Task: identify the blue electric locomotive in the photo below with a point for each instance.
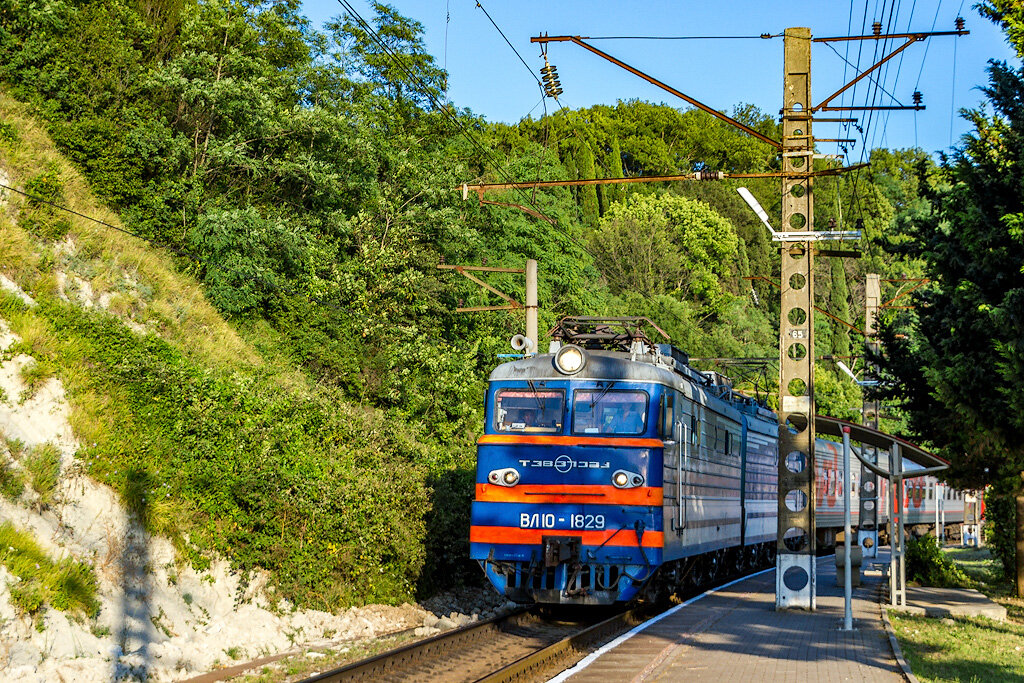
(610, 466)
(599, 468)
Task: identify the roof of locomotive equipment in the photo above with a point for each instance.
(618, 366)
(600, 365)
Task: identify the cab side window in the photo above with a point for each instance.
(668, 402)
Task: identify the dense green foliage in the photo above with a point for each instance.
(310, 184)
(1000, 522)
(967, 327)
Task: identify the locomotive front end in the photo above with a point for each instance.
(568, 488)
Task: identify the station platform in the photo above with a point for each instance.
(735, 634)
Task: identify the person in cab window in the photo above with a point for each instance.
(633, 422)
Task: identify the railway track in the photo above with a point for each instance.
(522, 647)
(518, 647)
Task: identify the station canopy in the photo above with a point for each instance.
(867, 436)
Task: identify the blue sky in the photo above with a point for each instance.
(487, 77)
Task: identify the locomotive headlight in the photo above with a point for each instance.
(623, 479)
(504, 477)
(570, 359)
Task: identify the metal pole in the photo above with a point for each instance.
(847, 566)
(891, 514)
(531, 307)
(901, 557)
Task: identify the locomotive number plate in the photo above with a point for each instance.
(547, 520)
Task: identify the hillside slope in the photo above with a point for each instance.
(169, 493)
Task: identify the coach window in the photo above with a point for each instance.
(609, 412)
(529, 411)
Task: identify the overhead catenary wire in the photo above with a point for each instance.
(856, 72)
(540, 85)
(899, 66)
(894, 13)
(509, 42)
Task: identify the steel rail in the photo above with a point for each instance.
(373, 667)
(547, 657)
(564, 649)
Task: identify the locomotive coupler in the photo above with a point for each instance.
(559, 549)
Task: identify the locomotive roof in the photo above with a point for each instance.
(619, 366)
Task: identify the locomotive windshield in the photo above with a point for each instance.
(609, 412)
(526, 410)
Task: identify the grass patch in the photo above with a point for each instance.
(43, 467)
(987, 573)
(12, 483)
(175, 306)
(33, 375)
(66, 585)
(970, 649)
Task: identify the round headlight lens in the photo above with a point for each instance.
(511, 477)
(569, 359)
(620, 479)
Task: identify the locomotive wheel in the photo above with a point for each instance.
(751, 557)
(714, 565)
(699, 574)
(735, 563)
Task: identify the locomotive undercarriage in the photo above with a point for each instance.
(674, 579)
(573, 581)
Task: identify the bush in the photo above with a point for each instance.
(928, 565)
(447, 540)
(328, 496)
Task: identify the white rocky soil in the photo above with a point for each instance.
(159, 618)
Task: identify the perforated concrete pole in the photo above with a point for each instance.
(795, 566)
(867, 531)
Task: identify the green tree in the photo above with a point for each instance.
(960, 370)
(1010, 15)
(665, 244)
